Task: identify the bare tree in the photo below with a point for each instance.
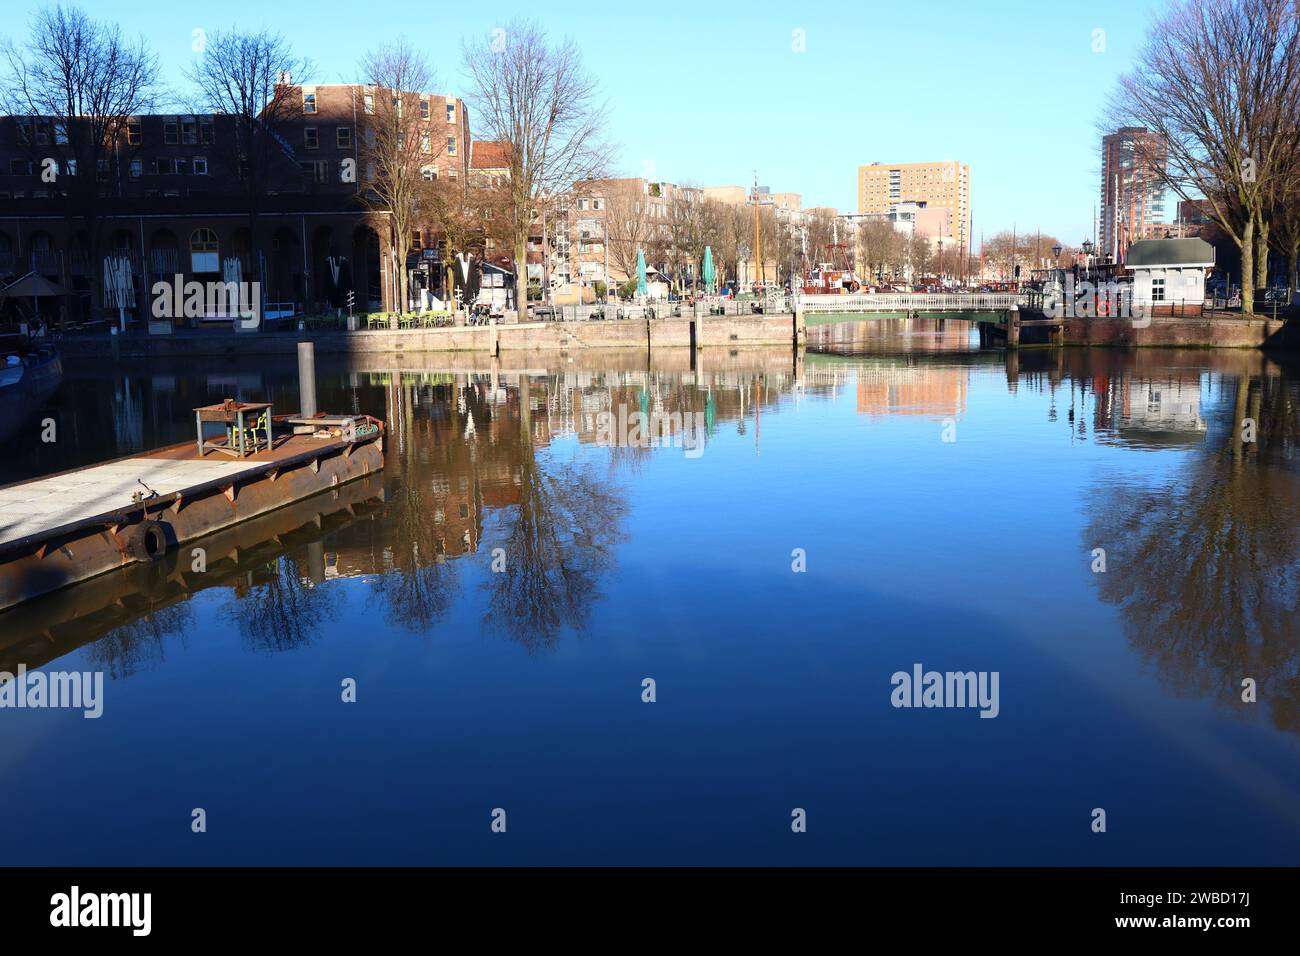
(398, 148)
(79, 83)
(818, 236)
(249, 78)
(685, 235)
(465, 213)
(1006, 249)
(1219, 81)
(778, 244)
(628, 225)
(883, 248)
(1284, 214)
(715, 233)
(738, 229)
(920, 254)
(536, 98)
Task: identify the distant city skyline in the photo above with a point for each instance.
(709, 96)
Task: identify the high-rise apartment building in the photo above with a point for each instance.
(882, 186)
(1132, 190)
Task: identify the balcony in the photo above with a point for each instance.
(46, 262)
(80, 263)
(164, 262)
(129, 254)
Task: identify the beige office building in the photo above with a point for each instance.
(882, 186)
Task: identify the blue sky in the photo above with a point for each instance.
(707, 93)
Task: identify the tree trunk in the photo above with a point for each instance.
(1261, 257)
(521, 276)
(1291, 276)
(400, 250)
(1247, 245)
(546, 264)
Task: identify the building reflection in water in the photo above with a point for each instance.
(1205, 565)
(935, 391)
(1203, 550)
(885, 336)
(467, 471)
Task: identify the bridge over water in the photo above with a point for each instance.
(971, 306)
(998, 314)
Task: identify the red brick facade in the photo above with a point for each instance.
(172, 187)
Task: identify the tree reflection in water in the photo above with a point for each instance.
(284, 609)
(1206, 569)
(126, 648)
(417, 595)
(465, 456)
(434, 502)
(558, 540)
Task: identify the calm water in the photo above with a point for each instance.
(522, 689)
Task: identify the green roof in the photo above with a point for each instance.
(1170, 252)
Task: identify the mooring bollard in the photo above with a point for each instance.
(307, 378)
(1013, 329)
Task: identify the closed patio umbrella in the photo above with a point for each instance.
(641, 287)
(35, 287)
(119, 287)
(707, 272)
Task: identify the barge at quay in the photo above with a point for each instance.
(65, 528)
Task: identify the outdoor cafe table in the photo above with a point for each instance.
(242, 439)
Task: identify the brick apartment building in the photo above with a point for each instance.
(172, 197)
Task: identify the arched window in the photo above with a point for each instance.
(203, 250)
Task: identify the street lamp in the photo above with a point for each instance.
(1086, 245)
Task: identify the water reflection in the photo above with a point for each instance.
(901, 389)
(879, 335)
(264, 566)
(1205, 564)
(490, 463)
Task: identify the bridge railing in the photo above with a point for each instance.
(910, 302)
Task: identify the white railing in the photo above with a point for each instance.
(910, 302)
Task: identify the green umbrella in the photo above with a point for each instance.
(707, 271)
(641, 288)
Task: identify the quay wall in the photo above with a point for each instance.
(1181, 333)
(725, 331)
(654, 334)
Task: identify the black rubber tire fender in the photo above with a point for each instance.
(146, 541)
